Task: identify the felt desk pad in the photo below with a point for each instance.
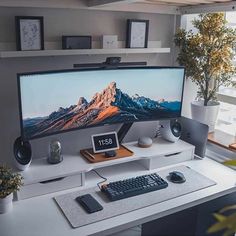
(78, 217)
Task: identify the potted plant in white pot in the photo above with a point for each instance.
(9, 183)
(207, 56)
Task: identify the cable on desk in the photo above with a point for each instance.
(105, 179)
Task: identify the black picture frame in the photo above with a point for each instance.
(29, 33)
(137, 28)
(76, 42)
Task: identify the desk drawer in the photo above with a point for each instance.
(49, 186)
(178, 157)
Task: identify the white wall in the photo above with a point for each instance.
(58, 22)
(190, 93)
(190, 88)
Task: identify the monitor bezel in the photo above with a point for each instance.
(89, 69)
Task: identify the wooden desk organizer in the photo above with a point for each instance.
(99, 157)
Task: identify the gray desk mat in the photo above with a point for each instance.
(78, 217)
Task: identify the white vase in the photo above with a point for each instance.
(205, 114)
(6, 204)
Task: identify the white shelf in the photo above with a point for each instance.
(40, 170)
(42, 178)
(46, 53)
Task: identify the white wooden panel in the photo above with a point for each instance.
(73, 52)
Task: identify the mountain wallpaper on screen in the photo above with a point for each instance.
(108, 106)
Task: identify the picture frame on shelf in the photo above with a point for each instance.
(137, 33)
(29, 33)
(76, 42)
(109, 41)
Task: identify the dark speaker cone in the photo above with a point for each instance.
(22, 151)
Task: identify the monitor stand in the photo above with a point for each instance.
(123, 131)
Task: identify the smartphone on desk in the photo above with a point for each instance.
(89, 203)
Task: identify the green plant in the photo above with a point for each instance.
(207, 55)
(9, 182)
(227, 223)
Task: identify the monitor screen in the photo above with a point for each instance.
(58, 101)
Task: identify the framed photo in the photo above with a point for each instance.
(109, 41)
(76, 42)
(29, 33)
(137, 33)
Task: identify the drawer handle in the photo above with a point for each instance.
(52, 180)
(172, 154)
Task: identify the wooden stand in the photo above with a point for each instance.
(99, 157)
(223, 140)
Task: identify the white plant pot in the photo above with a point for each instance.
(6, 204)
(205, 114)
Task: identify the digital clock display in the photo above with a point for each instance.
(105, 142)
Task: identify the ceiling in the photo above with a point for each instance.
(156, 2)
(183, 2)
(176, 7)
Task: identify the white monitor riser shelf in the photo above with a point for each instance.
(42, 178)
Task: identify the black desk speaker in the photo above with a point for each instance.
(22, 153)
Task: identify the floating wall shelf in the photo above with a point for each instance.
(45, 53)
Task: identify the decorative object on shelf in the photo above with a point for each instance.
(22, 153)
(29, 33)
(109, 41)
(9, 183)
(55, 155)
(76, 42)
(170, 130)
(207, 56)
(137, 33)
(144, 142)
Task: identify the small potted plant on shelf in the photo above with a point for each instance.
(9, 183)
(207, 56)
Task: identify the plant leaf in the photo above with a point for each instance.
(217, 227)
(229, 222)
(230, 163)
(229, 232)
(228, 208)
(219, 217)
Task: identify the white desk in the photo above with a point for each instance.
(40, 216)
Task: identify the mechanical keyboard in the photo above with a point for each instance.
(133, 186)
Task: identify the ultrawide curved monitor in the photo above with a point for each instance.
(61, 101)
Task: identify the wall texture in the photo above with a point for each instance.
(58, 22)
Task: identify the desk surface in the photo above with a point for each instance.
(40, 216)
